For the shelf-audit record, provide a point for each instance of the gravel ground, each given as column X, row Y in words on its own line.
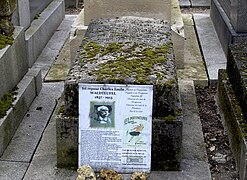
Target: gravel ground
column 221, row 161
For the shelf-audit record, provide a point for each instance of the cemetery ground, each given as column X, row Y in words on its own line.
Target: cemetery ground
column 42, row 162
column 222, row 163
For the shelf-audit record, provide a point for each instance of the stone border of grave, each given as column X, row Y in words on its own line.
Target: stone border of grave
column 232, row 100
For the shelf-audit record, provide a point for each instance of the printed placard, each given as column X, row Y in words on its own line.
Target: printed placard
column 115, row 126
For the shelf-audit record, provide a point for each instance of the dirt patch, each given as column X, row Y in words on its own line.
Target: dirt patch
column 221, row 160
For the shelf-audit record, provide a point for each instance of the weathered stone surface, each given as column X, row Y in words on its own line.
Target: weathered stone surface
column 230, row 30
column 167, row 143
column 67, row 141
column 13, row 62
column 234, row 122
column 97, row 9
column 127, row 50
column 237, row 72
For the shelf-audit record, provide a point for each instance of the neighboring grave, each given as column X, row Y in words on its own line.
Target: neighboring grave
column 96, row 9
column 232, row 93
column 229, row 18
column 127, row 50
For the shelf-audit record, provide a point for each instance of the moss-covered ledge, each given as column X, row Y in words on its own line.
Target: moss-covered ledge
column 237, row 73
column 234, row 122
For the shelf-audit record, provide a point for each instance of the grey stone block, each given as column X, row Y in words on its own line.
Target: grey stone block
column 41, row 29
column 234, row 122
column 13, row 62
column 24, row 13
column 36, row 73
column 12, row 170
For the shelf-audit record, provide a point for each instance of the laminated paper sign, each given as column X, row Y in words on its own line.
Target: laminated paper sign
column 115, row 126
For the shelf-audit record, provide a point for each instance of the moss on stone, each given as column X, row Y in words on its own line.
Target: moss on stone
column 7, row 102
column 5, row 40
column 61, row 109
column 129, row 60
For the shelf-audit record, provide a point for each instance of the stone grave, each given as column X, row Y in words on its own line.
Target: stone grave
column 232, row 100
column 126, row 50
column 229, row 19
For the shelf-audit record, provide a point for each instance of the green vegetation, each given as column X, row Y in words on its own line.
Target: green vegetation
column 4, row 40
column 7, row 102
column 130, row 60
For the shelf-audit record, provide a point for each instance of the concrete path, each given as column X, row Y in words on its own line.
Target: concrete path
column 32, row 152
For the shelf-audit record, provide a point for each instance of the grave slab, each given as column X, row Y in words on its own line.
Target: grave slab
column 12, row 170
column 33, row 125
column 211, row 48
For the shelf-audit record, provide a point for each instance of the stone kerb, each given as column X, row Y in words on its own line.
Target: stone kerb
column 234, row 122
column 96, row 9
column 41, row 29
column 13, row 62
column 232, row 100
column 128, row 50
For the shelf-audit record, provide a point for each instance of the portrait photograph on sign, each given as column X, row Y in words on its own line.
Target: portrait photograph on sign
column 102, row 114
